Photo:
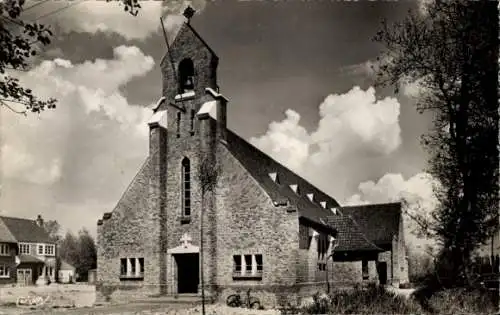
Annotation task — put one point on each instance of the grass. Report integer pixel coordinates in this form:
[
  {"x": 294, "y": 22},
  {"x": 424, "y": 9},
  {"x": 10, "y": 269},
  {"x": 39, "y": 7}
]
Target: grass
[
  {"x": 371, "y": 300},
  {"x": 377, "y": 300}
]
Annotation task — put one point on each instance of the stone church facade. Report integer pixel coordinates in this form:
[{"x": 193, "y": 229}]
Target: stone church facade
[{"x": 205, "y": 196}]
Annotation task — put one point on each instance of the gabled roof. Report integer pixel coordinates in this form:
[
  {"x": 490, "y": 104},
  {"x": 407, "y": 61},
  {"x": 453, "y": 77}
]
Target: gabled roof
[
  {"x": 349, "y": 235},
  {"x": 66, "y": 266},
  {"x": 379, "y": 222},
  {"x": 5, "y": 234},
  {"x": 185, "y": 28},
  {"x": 259, "y": 165},
  {"x": 25, "y": 230}
]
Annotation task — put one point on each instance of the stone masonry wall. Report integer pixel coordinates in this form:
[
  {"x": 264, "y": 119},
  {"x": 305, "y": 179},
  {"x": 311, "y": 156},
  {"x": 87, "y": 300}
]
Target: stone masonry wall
[
  {"x": 133, "y": 231},
  {"x": 248, "y": 223}
]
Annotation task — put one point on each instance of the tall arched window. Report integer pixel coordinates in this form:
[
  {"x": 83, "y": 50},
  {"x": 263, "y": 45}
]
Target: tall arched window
[
  {"x": 186, "y": 187},
  {"x": 186, "y": 76}
]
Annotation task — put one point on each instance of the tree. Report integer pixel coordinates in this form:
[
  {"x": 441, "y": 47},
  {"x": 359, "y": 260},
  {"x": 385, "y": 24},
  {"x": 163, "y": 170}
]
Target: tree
[
  {"x": 19, "y": 41},
  {"x": 208, "y": 174},
  {"x": 80, "y": 252},
  {"x": 68, "y": 249},
  {"x": 53, "y": 228},
  {"x": 451, "y": 54},
  {"x": 87, "y": 254}
]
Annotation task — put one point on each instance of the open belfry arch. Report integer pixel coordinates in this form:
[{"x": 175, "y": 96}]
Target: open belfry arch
[{"x": 261, "y": 226}]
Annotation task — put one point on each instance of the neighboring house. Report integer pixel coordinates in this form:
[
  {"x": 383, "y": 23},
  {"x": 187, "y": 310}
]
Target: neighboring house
[
  {"x": 66, "y": 272},
  {"x": 382, "y": 224},
  {"x": 264, "y": 227},
  {"x": 29, "y": 256}
]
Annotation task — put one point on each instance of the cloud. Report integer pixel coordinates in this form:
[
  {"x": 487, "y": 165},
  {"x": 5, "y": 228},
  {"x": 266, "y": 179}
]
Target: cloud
[
  {"x": 88, "y": 148},
  {"x": 109, "y": 17},
  {"x": 352, "y": 122}
]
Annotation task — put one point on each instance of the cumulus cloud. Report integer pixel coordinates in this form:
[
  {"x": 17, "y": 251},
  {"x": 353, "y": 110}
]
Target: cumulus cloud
[
  {"x": 352, "y": 122},
  {"x": 89, "y": 147},
  {"x": 109, "y": 17}
]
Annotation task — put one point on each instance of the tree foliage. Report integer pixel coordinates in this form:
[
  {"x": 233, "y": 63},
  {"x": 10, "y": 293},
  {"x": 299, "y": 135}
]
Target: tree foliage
[
  {"x": 79, "y": 251},
  {"x": 53, "y": 228},
  {"x": 21, "y": 40},
  {"x": 451, "y": 53}
]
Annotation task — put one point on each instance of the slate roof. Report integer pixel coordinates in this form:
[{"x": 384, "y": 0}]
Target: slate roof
[
  {"x": 349, "y": 234},
  {"x": 25, "y": 230},
  {"x": 66, "y": 266},
  {"x": 259, "y": 165},
  {"x": 5, "y": 234},
  {"x": 379, "y": 222}
]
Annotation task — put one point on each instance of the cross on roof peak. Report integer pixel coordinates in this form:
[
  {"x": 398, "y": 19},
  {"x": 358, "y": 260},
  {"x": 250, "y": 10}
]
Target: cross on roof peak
[
  {"x": 188, "y": 13},
  {"x": 186, "y": 240}
]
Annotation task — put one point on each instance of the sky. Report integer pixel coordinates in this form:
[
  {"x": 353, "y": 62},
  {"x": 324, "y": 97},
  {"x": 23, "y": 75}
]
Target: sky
[{"x": 297, "y": 74}]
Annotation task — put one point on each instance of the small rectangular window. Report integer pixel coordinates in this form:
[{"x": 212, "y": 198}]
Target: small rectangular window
[
  {"x": 141, "y": 266},
  {"x": 248, "y": 263},
  {"x": 40, "y": 249},
  {"x": 258, "y": 261},
  {"x": 364, "y": 269},
  {"x": 4, "y": 249},
  {"x": 178, "y": 124},
  {"x": 123, "y": 266},
  {"x": 132, "y": 266},
  {"x": 237, "y": 264},
  {"x": 192, "y": 122}
]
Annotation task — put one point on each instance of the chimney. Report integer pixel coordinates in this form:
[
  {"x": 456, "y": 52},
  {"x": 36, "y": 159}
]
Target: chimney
[{"x": 39, "y": 220}]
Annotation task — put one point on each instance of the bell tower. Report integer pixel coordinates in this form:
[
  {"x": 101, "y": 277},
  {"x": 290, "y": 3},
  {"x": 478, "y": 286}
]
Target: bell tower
[{"x": 188, "y": 67}]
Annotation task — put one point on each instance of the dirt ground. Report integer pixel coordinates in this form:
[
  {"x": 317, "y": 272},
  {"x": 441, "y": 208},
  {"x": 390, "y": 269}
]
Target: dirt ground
[{"x": 144, "y": 309}]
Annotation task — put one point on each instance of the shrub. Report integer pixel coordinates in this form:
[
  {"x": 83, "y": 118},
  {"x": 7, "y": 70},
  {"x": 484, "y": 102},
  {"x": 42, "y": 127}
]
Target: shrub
[
  {"x": 371, "y": 300},
  {"x": 464, "y": 301}
]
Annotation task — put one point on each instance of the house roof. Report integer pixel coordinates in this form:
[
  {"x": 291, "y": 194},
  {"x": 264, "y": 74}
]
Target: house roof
[
  {"x": 5, "y": 234},
  {"x": 184, "y": 28},
  {"x": 379, "y": 222},
  {"x": 66, "y": 266},
  {"x": 349, "y": 235},
  {"x": 260, "y": 166},
  {"x": 25, "y": 230},
  {"x": 29, "y": 259}
]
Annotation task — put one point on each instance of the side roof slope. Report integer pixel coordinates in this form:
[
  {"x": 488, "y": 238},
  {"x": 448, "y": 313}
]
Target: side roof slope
[{"x": 25, "y": 230}]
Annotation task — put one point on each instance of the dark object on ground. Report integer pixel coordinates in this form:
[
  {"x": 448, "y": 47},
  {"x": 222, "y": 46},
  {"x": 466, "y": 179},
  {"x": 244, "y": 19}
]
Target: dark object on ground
[{"x": 235, "y": 300}]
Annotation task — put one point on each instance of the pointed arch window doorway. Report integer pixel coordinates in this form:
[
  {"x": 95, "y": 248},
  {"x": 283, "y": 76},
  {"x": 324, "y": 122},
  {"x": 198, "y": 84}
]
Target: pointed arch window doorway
[
  {"x": 186, "y": 76},
  {"x": 186, "y": 188}
]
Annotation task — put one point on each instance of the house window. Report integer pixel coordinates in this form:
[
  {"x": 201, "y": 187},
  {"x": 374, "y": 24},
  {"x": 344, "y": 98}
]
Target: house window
[
  {"x": 141, "y": 266},
  {"x": 303, "y": 237},
  {"x": 248, "y": 266},
  {"x": 258, "y": 261},
  {"x": 49, "y": 250},
  {"x": 4, "y": 249},
  {"x": 364, "y": 269},
  {"x": 322, "y": 246},
  {"x": 178, "y": 124},
  {"x": 192, "y": 121},
  {"x": 4, "y": 271},
  {"x": 123, "y": 267},
  {"x": 186, "y": 76},
  {"x": 24, "y": 248},
  {"x": 186, "y": 188},
  {"x": 40, "y": 249},
  {"x": 322, "y": 266},
  {"x": 237, "y": 265},
  {"x": 132, "y": 268}
]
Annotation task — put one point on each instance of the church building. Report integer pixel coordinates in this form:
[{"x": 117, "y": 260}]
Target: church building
[{"x": 207, "y": 202}]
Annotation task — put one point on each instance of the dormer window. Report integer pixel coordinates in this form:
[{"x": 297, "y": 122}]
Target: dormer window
[{"x": 186, "y": 76}]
